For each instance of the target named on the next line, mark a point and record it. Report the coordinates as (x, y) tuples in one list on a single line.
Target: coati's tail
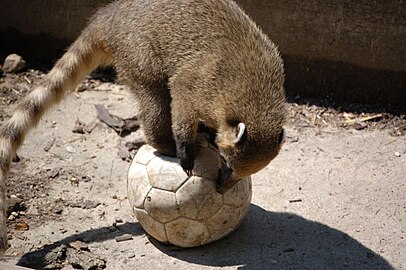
[(84, 55)]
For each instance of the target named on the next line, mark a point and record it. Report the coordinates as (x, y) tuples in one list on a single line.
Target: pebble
[(13, 63), (125, 237), (398, 154), (70, 149), (86, 178), (112, 228)]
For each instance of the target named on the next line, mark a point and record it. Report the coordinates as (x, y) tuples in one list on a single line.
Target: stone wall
[(345, 50)]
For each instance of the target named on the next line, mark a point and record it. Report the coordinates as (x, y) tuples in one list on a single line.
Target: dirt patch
[(70, 186)]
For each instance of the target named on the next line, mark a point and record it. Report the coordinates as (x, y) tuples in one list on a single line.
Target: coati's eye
[(282, 137)]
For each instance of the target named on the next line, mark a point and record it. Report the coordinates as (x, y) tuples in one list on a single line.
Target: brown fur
[(186, 61)]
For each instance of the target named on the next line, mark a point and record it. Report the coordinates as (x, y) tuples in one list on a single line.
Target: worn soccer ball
[(181, 210)]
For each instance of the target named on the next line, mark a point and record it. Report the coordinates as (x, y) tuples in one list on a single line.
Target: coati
[(187, 62)]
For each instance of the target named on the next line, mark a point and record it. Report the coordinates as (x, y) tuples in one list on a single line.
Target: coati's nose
[(225, 179)]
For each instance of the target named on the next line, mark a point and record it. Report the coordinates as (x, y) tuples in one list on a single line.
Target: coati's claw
[(186, 155), (189, 173), (187, 165)]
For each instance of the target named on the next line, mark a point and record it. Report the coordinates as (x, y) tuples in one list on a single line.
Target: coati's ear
[(230, 135), (240, 130)]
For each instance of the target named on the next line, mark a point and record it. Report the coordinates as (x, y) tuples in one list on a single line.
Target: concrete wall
[(351, 50), (347, 50)]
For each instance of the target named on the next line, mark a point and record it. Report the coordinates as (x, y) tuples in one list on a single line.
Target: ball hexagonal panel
[(145, 154), (207, 163), (240, 193), (224, 221), (165, 173), (138, 185), (185, 232), (161, 205), (198, 198), (152, 226)]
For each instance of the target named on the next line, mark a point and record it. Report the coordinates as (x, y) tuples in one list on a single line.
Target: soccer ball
[(181, 210)]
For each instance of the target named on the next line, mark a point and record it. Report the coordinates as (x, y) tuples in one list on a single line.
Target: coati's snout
[(245, 154)]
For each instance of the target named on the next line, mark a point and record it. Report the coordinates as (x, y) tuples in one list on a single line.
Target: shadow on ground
[(265, 240)]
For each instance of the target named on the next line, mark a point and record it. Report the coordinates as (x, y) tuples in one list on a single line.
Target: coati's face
[(245, 153)]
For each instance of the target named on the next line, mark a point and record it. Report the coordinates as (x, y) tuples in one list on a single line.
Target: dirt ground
[(333, 199)]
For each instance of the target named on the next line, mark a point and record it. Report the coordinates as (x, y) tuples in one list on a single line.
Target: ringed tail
[(82, 57)]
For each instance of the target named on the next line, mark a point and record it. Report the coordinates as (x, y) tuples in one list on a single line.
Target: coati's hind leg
[(155, 116)]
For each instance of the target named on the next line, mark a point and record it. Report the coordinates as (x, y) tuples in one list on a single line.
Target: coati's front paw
[(186, 155), (187, 165)]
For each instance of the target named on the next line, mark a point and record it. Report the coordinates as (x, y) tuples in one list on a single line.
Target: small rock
[(54, 173), (360, 125), (398, 154), (14, 204), (70, 149), (74, 181), (113, 228), (122, 238), (79, 245), (79, 127), (49, 145), (91, 126), (85, 204), (86, 178), (123, 153), (13, 63)]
